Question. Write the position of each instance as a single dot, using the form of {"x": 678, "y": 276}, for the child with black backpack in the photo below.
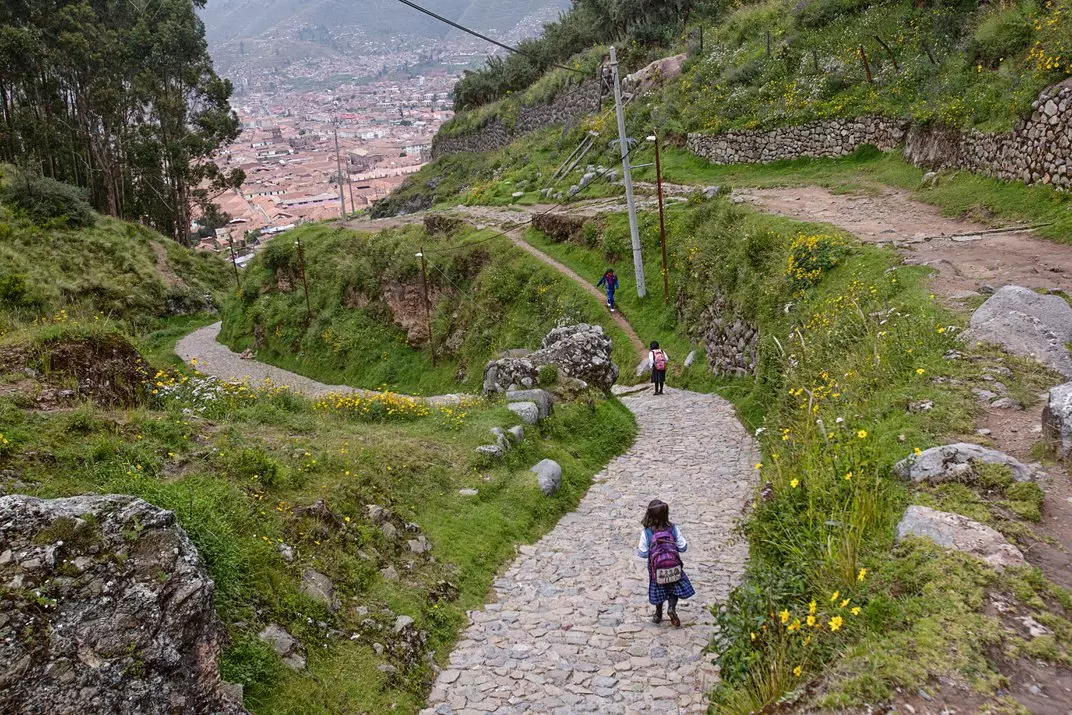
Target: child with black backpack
{"x": 661, "y": 543}
{"x": 659, "y": 360}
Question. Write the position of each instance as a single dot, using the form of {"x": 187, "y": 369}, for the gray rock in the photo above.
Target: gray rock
{"x": 376, "y": 513}
{"x": 1057, "y": 419}
{"x": 1006, "y": 403}
{"x": 528, "y": 412}
{"x": 389, "y": 573}
{"x": 319, "y": 587}
{"x": 543, "y": 399}
{"x": 954, "y": 461}
{"x": 389, "y": 530}
{"x": 286, "y": 551}
{"x": 690, "y": 359}
{"x": 1026, "y": 323}
{"x": 712, "y": 191}
{"x": 468, "y": 492}
{"x": 953, "y": 531}
{"x": 134, "y": 632}
{"x": 549, "y": 474}
{"x": 276, "y": 636}
{"x": 500, "y": 438}
{"x": 402, "y": 623}
{"x": 517, "y": 432}
{"x": 419, "y": 545}
{"x": 490, "y": 450}
{"x": 579, "y": 351}
{"x": 508, "y": 373}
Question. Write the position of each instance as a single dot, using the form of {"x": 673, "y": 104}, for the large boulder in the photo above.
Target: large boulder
{"x": 528, "y": 412}
{"x": 579, "y": 351}
{"x": 953, "y": 531}
{"x": 953, "y": 462}
{"x": 1057, "y": 419}
{"x": 659, "y": 71}
{"x": 107, "y": 608}
{"x": 1026, "y": 323}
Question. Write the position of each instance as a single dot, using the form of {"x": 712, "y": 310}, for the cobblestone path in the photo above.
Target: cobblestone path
{"x": 216, "y": 359}
{"x": 569, "y": 627}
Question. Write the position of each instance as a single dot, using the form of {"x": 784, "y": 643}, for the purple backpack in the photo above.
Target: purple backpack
{"x": 663, "y": 558}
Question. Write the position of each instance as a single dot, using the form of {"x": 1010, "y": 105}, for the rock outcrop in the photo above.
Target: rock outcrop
{"x": 953, "y": 462}
{"x": 107, "y": 608}
{"x": 953, "y": 531}
{"x": 1026, "y": 323}
{"x": 582, "y": 352}
{"x": 1057, "y": 419}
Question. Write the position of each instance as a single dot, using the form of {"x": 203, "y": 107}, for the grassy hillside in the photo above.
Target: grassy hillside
{"x": 119, "y": 270}
{"x": 488, "y": 297}
{"x": 964, "y": 64}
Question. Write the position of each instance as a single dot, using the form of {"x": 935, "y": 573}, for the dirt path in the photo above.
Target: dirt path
{"x": 569, "y": 629}
{"x": 964, "y": 262}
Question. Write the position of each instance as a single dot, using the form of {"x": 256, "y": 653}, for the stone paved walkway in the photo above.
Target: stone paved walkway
{"x": 568, "y": 629}
{"x": 216, "y": 359}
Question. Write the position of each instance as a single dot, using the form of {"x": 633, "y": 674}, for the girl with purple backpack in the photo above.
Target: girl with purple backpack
{"x": 661, "y": 543}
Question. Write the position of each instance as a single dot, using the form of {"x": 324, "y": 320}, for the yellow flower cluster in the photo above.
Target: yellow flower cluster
{"x": 374, "y": 406}
{"x": 810, "y": 255}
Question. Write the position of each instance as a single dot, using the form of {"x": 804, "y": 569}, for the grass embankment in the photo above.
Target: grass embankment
{"x": 247, "y": 470}
{"x": 368, "y": 312}
{"x": 121, "y": 271}
{"x": 962, "y": 64}
{"x": 852, "y": 376}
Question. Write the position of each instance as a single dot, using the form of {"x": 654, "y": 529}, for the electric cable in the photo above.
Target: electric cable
{"x": 474, "y": 33}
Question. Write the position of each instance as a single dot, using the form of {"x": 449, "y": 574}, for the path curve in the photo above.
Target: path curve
{"x": 569, "y": 627}
{"x": 216, "y": 359}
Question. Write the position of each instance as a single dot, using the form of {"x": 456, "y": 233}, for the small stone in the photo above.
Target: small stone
{"x": 402, "y": 623}
{"x": 528, "y": 412}
{"x": 389, "y": 573}
{"x": 319, "y": 587}
{"x": 286, "y": 551}
{"x": 468, "y": 492}
{"x": 490, "y": 450}
{"x": 517, "y": 432}
{"x": 549, "y": 474}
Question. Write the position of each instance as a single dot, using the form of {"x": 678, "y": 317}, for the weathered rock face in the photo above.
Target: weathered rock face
{"x": 579, "y": 351}
{"x": 1057, "y": 419}
{"x": 659, "y": 71}
{"x": 953, "y": 531}
{"x": 568, "y": 105}
{"x": 542, "y": 398}
{"x": 406, "y": 302}
{"x": 107, "y": 608}
{"x": 730, "y": 342}
{"x": 1037, "y": 150}
{"x": 953, "y": 462}
{"x": 1026, "y": 323}
{"x": 527, "y": 412}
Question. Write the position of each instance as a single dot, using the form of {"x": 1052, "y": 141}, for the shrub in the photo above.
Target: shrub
{"x": 811, "y": 256}
{"x": 14, "y": 292}
{"x": 1002, "y": 34}
{"x": 548, "y": 375}
{"x": 43, "y": 199}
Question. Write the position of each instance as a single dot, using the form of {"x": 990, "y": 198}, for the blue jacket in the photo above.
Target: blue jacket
{"x": 611, "y": 282}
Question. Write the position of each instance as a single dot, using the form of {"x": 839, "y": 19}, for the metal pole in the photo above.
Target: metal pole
{"x": 662, "y": 222}
{"x": 338, "y": 164}
{"x": 427, "y": 307}
{"x": 638, "y": 256}
{"x": 305, "y": 283}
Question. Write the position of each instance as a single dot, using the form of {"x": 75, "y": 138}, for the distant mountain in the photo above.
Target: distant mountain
{"x": 300, "y": 29}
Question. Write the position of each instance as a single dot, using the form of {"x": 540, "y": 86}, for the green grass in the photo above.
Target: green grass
{"x": 489, "y": 297}
{"x": 121, "y": 271}
{"x": 238, "y": 467}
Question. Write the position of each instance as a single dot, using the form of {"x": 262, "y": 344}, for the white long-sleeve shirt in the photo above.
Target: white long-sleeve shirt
{"x": 645, "y": 542}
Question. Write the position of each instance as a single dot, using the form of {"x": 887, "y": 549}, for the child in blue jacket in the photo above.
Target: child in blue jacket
{"x": 610, "y": 281}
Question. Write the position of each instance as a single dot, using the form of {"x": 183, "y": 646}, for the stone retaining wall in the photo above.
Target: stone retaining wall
{"x": 730, "y": 342}
{"x": 1037, "y": 150}
{"x": 822, "y": 139}
{"x": 568, "y": 105}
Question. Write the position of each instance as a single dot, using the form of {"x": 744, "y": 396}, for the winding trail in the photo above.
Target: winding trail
{"x": 569, "y": 629}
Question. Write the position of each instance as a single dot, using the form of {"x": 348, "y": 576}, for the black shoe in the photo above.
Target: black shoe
{"x": 674, "y": 620}
{"x": 658, "y": 617}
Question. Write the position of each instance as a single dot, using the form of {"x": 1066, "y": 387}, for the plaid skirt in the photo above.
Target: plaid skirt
{"x": 659, "y": 593}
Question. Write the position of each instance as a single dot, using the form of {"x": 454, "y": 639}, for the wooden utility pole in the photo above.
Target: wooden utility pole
{"x": 662, "y": 221}
{"x": 305, "y": 283}
{"x": 427, "y": 307}
{"x": 234, "y": 262}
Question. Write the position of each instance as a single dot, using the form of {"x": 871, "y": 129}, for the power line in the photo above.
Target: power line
{"x": 474, "y": 33}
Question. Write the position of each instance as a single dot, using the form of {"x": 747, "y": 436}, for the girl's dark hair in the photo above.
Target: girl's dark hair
{"x": 654, "y": 344}
{"x": 609, "y": 270}
{"x": 657, "y": 516}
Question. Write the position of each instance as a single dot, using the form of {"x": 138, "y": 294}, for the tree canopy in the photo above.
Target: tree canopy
{"x": 118, "y": 97}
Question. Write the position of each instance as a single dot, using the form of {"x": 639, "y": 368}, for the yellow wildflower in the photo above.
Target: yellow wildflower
{"x": 797, "y": 671}
{"x": 855, "y": 610}
{"x": 811, "y": 621}
{"x": 794, "y": 483}
{"x": 845, "y": 603}
{"x": 860, "y": 576}
{"x": 862, "y": 434}
{"x": 837, "y": 594}
{"x": 811, "y": 607}
{"x": 835, "y": 623}
{"x": 784, "y": 616}
{"x": 920, "y": 371}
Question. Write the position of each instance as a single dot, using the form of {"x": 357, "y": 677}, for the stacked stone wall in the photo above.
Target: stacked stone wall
{"x": 1037, "y": 150}
{"x": 569, "y": 105}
